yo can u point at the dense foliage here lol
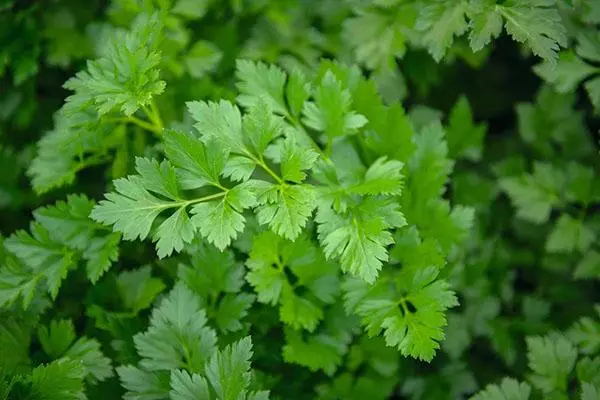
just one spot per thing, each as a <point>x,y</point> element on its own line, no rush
<point>330,199</point>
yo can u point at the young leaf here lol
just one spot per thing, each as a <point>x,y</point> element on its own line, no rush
<point>260,81</point>
<point>441,21</point>
<point>331,111</point>
<point>285,208</point>
<point>59,380</point>
<point>551,358</point>
<point>220,221</point>
<point>178,336</point>
<point>185,386</point>
<point>126,77</point>
<point>509,389</point>
<point>464,137</point>
<point>44,259</point>
<point>228,370</point>
<point>359,237</point>
<point>536,23</point>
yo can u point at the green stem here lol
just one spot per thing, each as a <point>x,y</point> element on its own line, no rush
<point>329,147</point>
<point>136,121</point>
<point>145,125</point>
<point>270,171</point>
<point>92,160</point>
<point>261,162</point>
<point>201,199</point>
<point>185,203</point>
<point>156,115</point>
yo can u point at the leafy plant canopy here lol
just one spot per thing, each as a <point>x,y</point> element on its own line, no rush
<point>322,199</point>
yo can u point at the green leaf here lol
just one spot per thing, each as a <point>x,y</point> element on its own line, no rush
<point>239,168</point>
<point>316,352</point>
<point>17,281</point>
<point>383,177</point>
<point>220,221</point>
<point>464,137</point>
<point>588,370</point>
<point>197,164</point>
<point>232,309</point>
<point>295,160</point>
<point>441,21</point>
<point>592,87</point>
<point>202,58</point>
<point>256,80</point>
<point>534,195</point>
<point>126,77</point>
<point>185,386</point>
<point>174,232</point>
<point>44,259</point>
<point>59,380</point>
<point>551,358</point>
<point>220,121</point>
<point>486,23</point>
<point>381,39</point>
<point>60,151</point>
<point>358,238</point>
<point>414,322</point>
<point>100,254</point>
<point>57,341</point>
<point>589,392</point>
<point>87,351</point>
<point>536,23</point>
<point>569,235</point>
<point>388,131</point>
<point>143,385</point>
<point>588,267</point>
<point>15,340</point>
<point>261,126</point>
<point>297,311</point>
<point>228,370</point>
<point>509,389</point>
<point>567,73</point>
<point>263,276</point>
<point>331,111</point>
<point>138,288</point>
<point>158,178</point>
<point>297,92</point>
<point>69,221</point>
<point>279,268</point>
<point>211,271</point>
<point>57,337</point>
<point>177,336</point>
<point>458,338</point>
<point>131,209</point>
<point>285,208</point>
<point>429,165</point>
<point>585,333</point>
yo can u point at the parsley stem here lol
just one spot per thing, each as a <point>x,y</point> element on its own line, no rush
<point>270,171</point>
<point>144,124</point>
<point>201,199</point>
<point>261,162</point>
<point>139,122</point>
<point>156,115</point>
<point>92,160</point>
<point>153,115</point>
<point>185,203</point>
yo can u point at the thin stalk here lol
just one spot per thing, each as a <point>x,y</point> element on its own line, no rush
<point>136,121</point>
<point>145,125</point>
<point>156,115</point>
<point>270,171</point>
